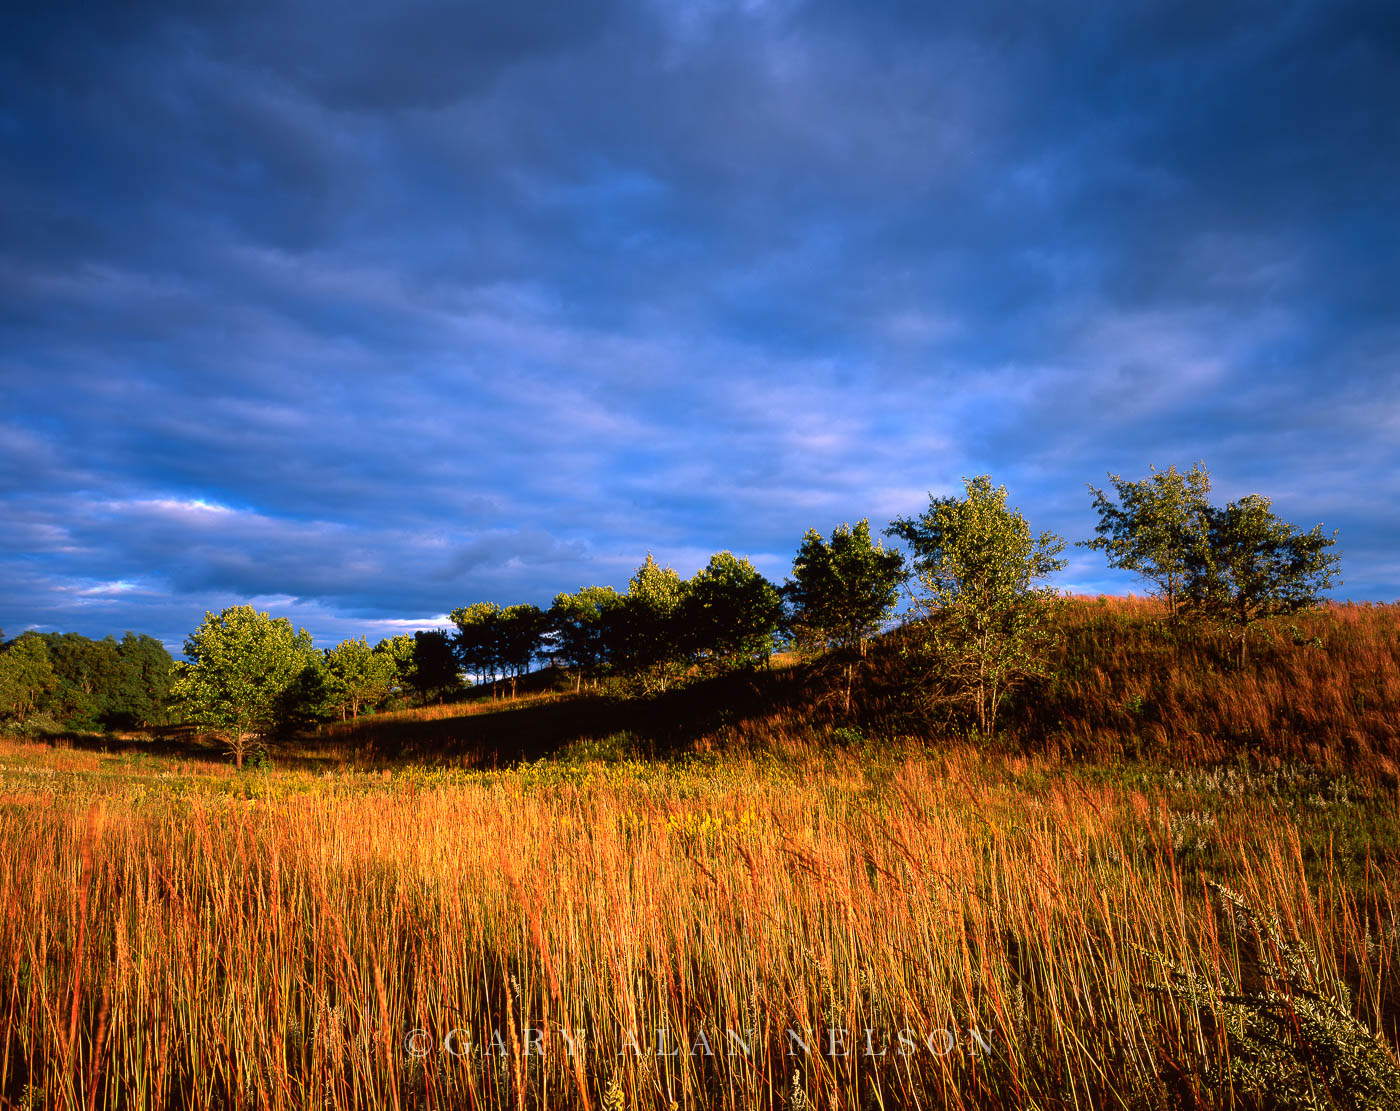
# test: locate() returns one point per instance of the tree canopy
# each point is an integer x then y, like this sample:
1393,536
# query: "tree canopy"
841,592
1256,567
241,665
986,623
1156,527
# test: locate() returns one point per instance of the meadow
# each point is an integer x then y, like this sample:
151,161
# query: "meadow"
737,902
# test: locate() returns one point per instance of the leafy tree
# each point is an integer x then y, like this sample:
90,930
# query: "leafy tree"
26,675
359,677
647,631
1155,528
988,624
435,671
841,592
579,624
146,670
731,613
399,652
241,667
478,639
88,673
520,634
1256,567
104,683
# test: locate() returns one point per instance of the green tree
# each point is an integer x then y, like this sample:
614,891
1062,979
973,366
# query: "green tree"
987,625
520,634
1155,528
478,639
359,678
106,683
88,673
579,625
241,666
399,651
731,613
648,633
1256,567
146,671
840,594
26,675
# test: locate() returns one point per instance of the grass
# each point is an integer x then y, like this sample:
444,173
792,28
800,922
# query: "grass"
521,904
179,935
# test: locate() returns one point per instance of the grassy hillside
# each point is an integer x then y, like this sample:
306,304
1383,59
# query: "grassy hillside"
1323,689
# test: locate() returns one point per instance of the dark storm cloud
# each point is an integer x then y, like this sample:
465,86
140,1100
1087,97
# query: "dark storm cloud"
366,311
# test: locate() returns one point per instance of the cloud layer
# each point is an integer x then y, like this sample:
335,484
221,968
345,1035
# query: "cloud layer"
366,313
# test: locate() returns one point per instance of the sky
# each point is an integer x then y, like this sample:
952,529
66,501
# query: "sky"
361,312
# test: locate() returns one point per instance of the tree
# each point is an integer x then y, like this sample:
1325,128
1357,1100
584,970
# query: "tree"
436,673
1256,567
146,670
359,677
520,634
986,622
1155,528
478,639
579,625
399,651
88,672
241,666
841,592
106,683
26,675
731,613
648,636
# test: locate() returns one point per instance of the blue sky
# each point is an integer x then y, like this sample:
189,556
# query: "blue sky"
363,312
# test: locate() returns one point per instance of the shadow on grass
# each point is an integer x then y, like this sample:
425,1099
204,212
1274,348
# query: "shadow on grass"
490,733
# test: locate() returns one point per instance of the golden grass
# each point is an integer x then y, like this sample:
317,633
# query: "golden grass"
179,936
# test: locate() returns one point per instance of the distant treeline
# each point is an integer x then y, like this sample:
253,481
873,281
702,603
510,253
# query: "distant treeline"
82,684
974,572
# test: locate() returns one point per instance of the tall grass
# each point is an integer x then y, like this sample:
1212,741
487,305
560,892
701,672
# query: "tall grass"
1323,687
176,935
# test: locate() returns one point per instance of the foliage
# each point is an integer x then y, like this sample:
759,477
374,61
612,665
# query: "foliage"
1155,528
358,677
1256,567
1292,1042
494,642
987,625
107,683
435,670
26,675
731,613
242,665
520,631
647,637
146,671
579,624
400,651
478,639
840,594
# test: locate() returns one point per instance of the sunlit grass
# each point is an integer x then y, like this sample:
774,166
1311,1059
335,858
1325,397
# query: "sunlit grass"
176,934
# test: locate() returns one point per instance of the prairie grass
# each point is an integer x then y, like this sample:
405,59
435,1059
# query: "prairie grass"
1012,931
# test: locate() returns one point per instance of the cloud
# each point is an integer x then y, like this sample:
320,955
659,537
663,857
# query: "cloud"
375,312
